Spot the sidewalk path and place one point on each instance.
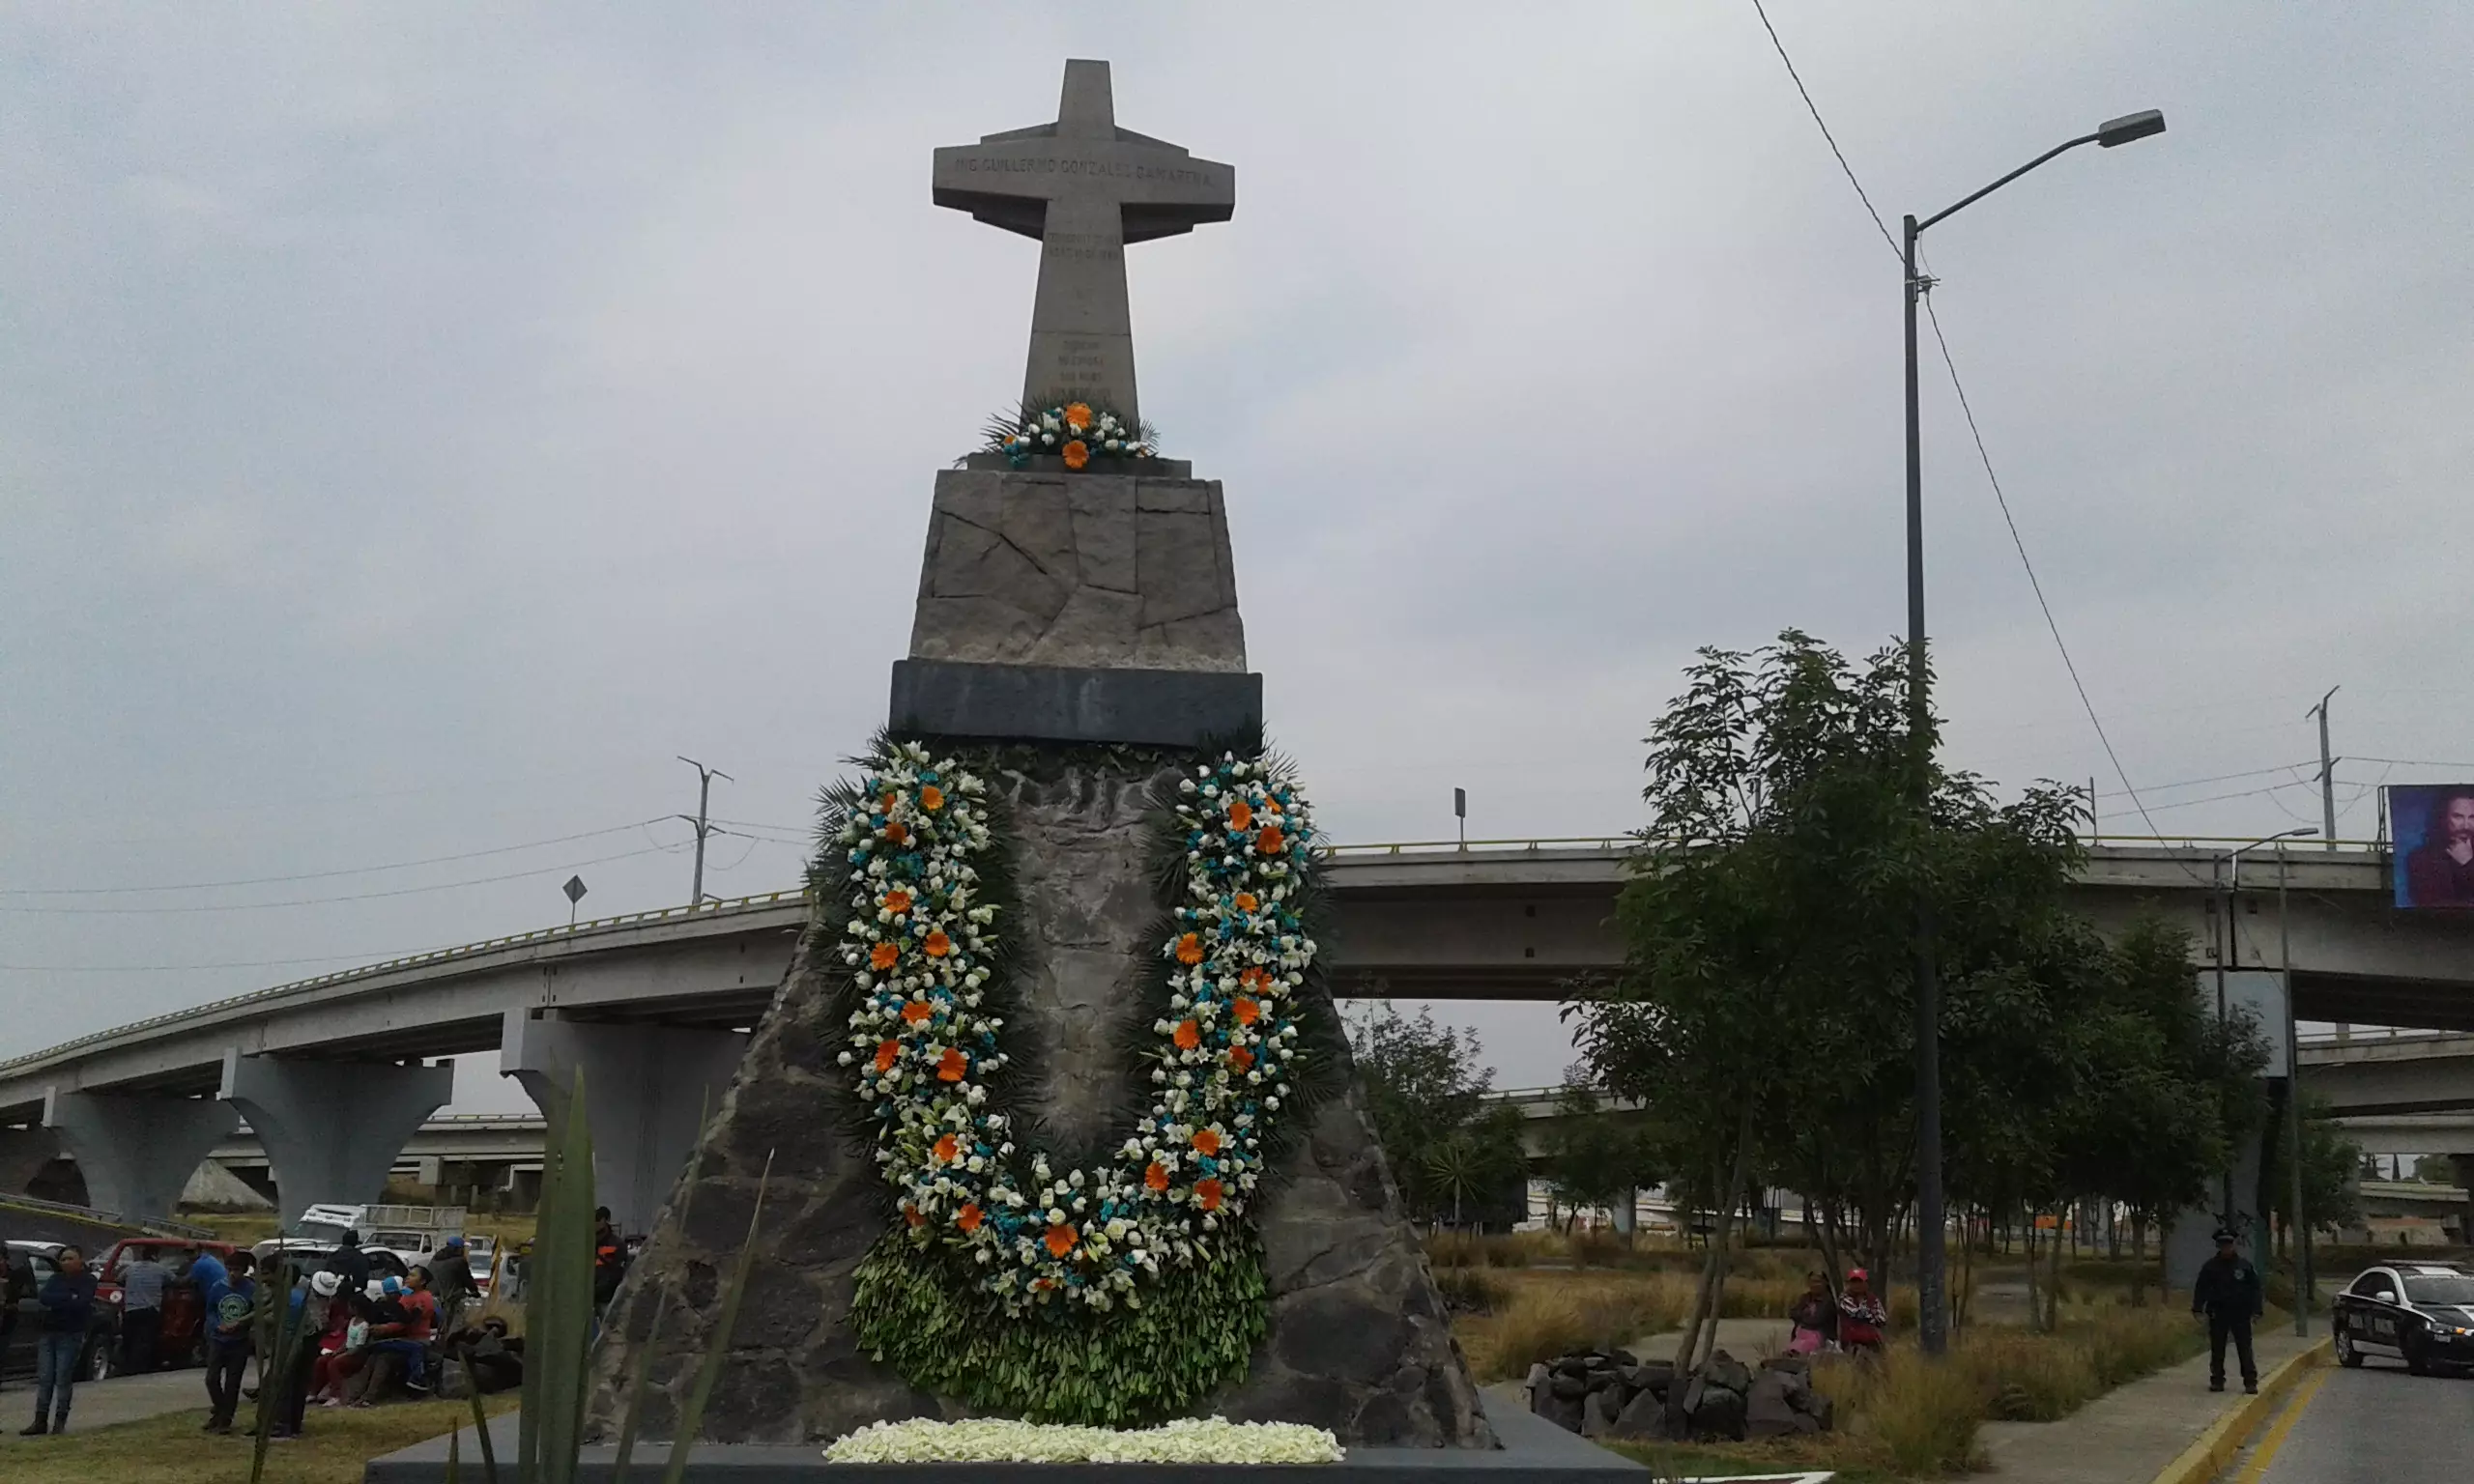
(2130, 1434)
(102, 1403)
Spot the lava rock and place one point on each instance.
(1643, 1419)
(1725, 1370)
(1718, 1414)
(1599, 1413)
(1768, 1409)
(1570, 1387)
(1656, 1376)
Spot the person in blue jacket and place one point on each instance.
(230, 1298)
(68, 1299)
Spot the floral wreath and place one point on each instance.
(1072, 431)
(921, 945)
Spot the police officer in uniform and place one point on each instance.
(2230, 1293)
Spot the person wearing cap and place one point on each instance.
(450, 1279)
(1862, 1319)
(315, 1309)
(2230, 1293)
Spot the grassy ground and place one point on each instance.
(1900, 1418)
(169, 1448)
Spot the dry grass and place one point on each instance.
(339, 1442)
(1539, 1316)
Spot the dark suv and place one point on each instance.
(2422, 1313)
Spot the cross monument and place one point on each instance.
(1085, 188)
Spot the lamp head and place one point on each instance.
(2130, 126)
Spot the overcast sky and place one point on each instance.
(418, 423)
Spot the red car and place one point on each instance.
(182, 1340)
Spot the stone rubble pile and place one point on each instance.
(1614, 1394)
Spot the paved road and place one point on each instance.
(102, 1403)
(2376, 1425)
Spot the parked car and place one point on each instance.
(308, 1254)
(29, 1264)
(183, 1339)
(2422, 1313)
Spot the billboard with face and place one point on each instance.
(2433, 827)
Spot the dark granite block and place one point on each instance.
(1159, 707)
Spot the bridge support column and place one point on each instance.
(331, 1130)
(2190, 1237)
(644, 1087)
(23, 1153)
(1626, 1211)
(136, 1151)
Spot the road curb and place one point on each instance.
(2202, 1460)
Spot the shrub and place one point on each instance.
(1539, 1321)
(1922, 1417)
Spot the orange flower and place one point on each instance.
(910, 1213)
(1247, 902)
(1077, 453)
(1240, 814)
(1077, 416)
(886, 1052)
(1189, 948)
(1156, 1177)
(969, 1217)
(897, 833)
(1062, 1239)
(1187, 1036)
(938, 945)
(950, 1066)
(1252, 977)
(1269, 842)
(1208, 1192)
(1249, 1010)
(945, 1148)
(897, 902)
(932, 798)
(1206, 1141)
(1241, 1058)
(885, 804)
(884, 955)
(917, 1011)
(1271, 806)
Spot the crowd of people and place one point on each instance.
(330, 1332)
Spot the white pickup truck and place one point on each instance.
(408, 1233)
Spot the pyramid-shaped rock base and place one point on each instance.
(1358, 1340)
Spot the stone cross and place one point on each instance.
(1084, 188)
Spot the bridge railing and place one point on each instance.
(565, 931)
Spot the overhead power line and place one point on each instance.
(314, 901)
(317, 875)
(1827, 136)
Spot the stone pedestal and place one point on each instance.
(1077, 608)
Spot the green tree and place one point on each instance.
(1427, 1088)
(2331, 1188)
(1765, 1005)
(1597, 1158)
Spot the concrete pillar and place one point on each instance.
(1626, 1211)
(644, 1088)
(2190, 1237)
(331, 1130)
(136, 1150)
(23, 1153)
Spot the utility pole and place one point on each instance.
(705, 777)
(2327, 774)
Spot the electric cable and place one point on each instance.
(317, 875)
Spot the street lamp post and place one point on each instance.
(1932, 1300)
(2225, 959)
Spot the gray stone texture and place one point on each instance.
(1358, 1338)
(1097, 571)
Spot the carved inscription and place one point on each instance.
(1118, 169)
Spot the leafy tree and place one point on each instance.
(1765, 1005)
(1426, 1089)
(1596, 1157)
(2331, 1188)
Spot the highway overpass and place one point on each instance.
(655, 1005)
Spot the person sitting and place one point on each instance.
(338, 1364)
(382, 1364)
(1813, 1319)
(1862, 1319)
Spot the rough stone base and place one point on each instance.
(1358, 1340)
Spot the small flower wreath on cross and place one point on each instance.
(922, 1040)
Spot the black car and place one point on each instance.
(2422, 1313)
(29, 1264)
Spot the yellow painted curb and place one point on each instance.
(2205, 1459)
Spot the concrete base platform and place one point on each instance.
(1535, 1452)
